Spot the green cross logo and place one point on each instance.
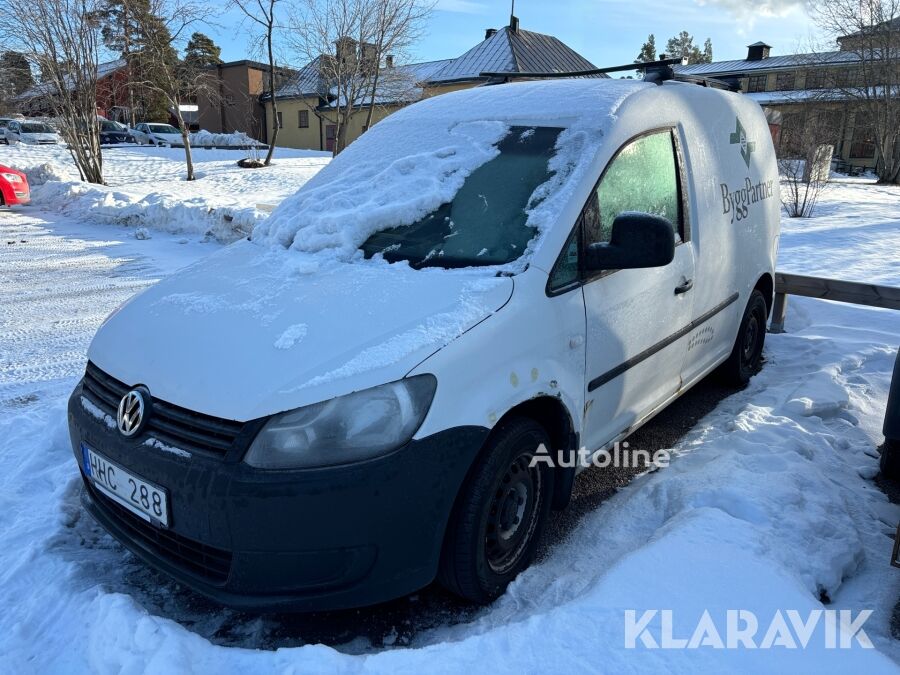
(740, 136)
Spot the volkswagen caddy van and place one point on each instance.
(348, 404)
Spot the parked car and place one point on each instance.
(112, 133)
(13, 187)
(150, 133)
(31, 133)
(3, 122)
(481, 275)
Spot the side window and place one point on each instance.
(643, 176)
(566, 270)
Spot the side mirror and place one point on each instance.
(638, 240)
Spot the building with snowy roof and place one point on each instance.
(793, 87)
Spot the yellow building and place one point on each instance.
(307, 111)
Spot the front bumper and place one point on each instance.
(308, 540)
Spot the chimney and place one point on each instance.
(758, 51)
(489, 33)
(389, 61)
(514, 24)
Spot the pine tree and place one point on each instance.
(648, 50)
(128, 27)
(201, 52)
(707, 55)
(15, 74)
(682, 45)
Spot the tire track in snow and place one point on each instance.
(54, 293)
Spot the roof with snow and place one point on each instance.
(790, 61)
(506, 50)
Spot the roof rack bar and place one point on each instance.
(647, 65)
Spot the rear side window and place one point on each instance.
(643, 176)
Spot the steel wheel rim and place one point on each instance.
(513, 514)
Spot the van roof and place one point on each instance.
(539, 101)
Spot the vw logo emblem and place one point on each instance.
(132, 412)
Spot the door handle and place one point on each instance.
(685, 286)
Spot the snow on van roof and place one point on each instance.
(417, 159)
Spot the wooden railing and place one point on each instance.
(854, 292)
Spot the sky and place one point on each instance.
(606, 32)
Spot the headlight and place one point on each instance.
(351, 428)
(12, 177)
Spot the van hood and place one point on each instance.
(251, 331)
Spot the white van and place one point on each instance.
(348, 404)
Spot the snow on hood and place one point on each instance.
(406, 166)
(249, 332)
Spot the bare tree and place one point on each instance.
(870, 30)
(167, 24)
(62, 41)
(805, 148)
(348, 40)
(398, 24)
(262, 13)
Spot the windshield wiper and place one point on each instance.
(446, 262)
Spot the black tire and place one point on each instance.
(499, 514)
(745, 360)
(890, 459)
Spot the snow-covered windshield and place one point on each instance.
(403, 175)
(163, 129)
(36, 128)
(485, 222)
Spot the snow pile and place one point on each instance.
(291, 336)
(49, 171)
(146, 187)
(205, 138)
(194, 215)
(417, 159)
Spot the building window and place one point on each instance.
(846, 77)
(815, 79)
(303, 119)
(280, 120)
(785, 81)
(863, 143)
(756, 83)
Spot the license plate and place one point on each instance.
(137, 495)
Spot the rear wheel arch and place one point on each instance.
(766, 286)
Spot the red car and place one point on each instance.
(13, 187)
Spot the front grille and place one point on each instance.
(212, 564)
(169, 423)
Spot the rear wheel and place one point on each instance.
(746, 355)
(499, 515)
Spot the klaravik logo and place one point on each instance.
(740, 137)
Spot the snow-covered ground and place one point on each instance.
(769, 505)
(146, 186)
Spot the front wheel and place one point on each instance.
(499, 514)
(746, 355)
